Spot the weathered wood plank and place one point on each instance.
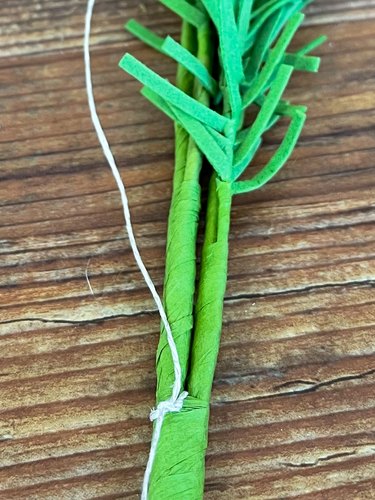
(293, 403)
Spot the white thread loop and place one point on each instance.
(168, 406)
(175, 402)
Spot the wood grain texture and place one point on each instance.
(293, 402)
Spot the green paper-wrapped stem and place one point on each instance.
(211, 290)
(178, 469)
(179, 286)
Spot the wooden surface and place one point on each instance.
(293, 402)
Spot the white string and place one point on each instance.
(174, 404)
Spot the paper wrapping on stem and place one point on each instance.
(211, 291)
(178, 291)
(178, 471)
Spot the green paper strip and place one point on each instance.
(191, 63)
(223, 143)
(312, 45)
(274, 59)
(261, 47)
(209, 147)
(145, 35)
(303, 63)
(244, 153)
(284, 108)
(212, 8)
(260, 20)
(277, 161)
(172, 94)
(186, 11)
(243, 22)
(267, 6)
(288, 11)
(212, 284)
(230, 54)
(158, 102)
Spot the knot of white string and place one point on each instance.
(168, 406)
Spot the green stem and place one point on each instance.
(178, 470)
(211, 291)
(182, 235)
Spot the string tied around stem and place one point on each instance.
(168, 406)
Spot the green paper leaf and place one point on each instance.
(206, 143)
(191, 63)
(312, 45)
(261, 47)
(145, 35)
(243, 21)
(187, 12)
(212, 8)
(289, 7)
(277, 161)
(172, 94)
(302, 63)
(158, 102)
(245, 151)
(230, 54)
(275, 58)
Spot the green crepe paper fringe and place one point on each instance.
(208, 105)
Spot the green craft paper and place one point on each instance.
(243, 21)
(211, 290)
(241, 157)
(144, 34)
(302, 63)
(312, 45)
(261, 47)
(212, 8)
(289, 7)
(159, 103)
(266, 6)
(172, 94)
(187, 11)
(178, 471)
(206, 142)
(274, 59)
(230, 55)
(277, 161)
(191, 63)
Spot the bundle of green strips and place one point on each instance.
(233, 55)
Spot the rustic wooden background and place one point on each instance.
(293, 402)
